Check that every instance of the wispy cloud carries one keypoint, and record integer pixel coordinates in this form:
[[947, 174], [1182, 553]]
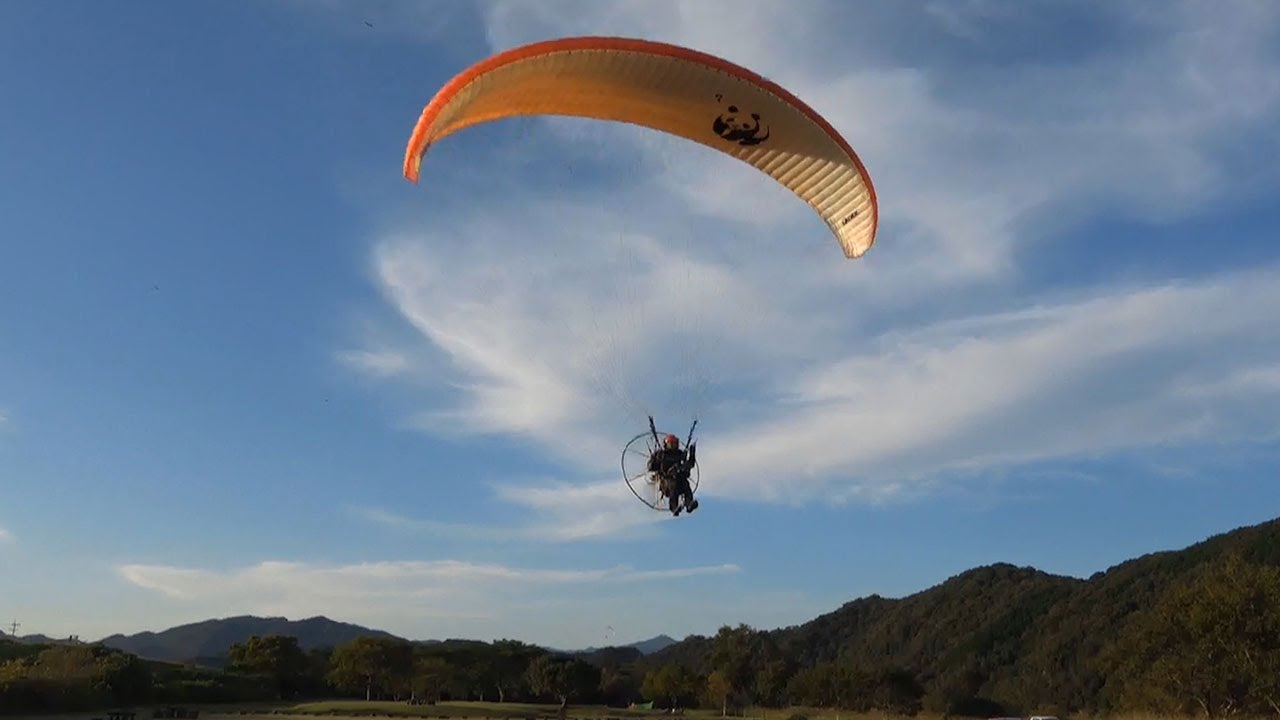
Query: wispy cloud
[[574, 511], [581, 311], [404, 593], [469, 531], [563, 512], [5, 535], [967, 155], [382, 364], [1072, 376], [1105, 374]]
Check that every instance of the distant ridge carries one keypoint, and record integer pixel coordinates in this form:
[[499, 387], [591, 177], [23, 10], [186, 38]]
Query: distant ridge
[[998, 630], [207, 641], [646, 647], [39, 639]]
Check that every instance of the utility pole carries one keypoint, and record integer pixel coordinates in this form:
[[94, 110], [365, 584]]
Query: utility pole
[[13, 628]]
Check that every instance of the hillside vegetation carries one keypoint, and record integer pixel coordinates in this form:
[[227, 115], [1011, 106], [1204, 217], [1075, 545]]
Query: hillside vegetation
[[1192, 632]]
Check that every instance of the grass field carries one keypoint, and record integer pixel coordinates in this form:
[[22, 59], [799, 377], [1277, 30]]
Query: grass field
[[342, 709], [351, 709], [509, 711], [463, 710]]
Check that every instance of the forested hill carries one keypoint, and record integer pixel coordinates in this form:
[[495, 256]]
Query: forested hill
[[1018, 636], [1188, 632], [209, 640]]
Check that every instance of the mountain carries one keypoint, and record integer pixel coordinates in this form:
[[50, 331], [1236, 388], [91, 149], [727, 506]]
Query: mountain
[[39, 639], [1029, 638], [998, 639], [207, 642], [645, 647], [653, 644]]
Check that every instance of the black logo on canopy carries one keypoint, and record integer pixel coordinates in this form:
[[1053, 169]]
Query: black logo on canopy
[[746, 129]]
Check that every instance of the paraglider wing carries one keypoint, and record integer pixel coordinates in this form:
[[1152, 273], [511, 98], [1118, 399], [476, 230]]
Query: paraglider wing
[[675, 90]]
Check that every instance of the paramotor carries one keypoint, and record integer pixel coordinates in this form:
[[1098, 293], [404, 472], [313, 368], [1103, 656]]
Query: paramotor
[[644, 484], [678, 91]]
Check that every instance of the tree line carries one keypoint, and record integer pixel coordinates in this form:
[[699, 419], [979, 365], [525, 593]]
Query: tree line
[[1180, 635], [1191, 635], [62, 678]]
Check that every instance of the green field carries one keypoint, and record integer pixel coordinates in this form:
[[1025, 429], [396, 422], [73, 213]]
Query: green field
[[340, 709], [352, 709], [511, 711], [455, 710]]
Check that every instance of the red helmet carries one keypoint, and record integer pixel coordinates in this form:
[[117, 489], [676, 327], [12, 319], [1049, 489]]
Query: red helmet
[[671, 441]]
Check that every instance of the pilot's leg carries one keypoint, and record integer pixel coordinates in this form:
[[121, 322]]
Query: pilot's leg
[[690, 503]]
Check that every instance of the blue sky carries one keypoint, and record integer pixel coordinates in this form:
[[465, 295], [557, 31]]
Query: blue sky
[[246, 368]]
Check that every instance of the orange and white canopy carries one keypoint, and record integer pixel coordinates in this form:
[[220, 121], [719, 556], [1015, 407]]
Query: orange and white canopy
[[671, 89]]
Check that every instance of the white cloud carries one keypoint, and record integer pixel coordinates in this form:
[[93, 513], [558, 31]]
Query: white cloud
[[841, 413], [5, 536], [1077, 379], [387, 578], [567, 316], [1260, 380], [546, 350], [966, 156], [381, 364], [563, 513], [574, 511], [438, 596]]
